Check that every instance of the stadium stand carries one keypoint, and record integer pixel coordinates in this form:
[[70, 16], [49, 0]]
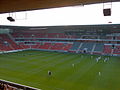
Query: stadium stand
[[87, 46], [73, 39], [118, 37], [7, 85], [7, 44], [75, 46], [57, 46], [99, 47], [107, 49], [45, 45], [116, 49]]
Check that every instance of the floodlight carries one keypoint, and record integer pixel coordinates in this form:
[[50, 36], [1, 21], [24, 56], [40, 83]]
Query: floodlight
[[11, 19], [107, 12]]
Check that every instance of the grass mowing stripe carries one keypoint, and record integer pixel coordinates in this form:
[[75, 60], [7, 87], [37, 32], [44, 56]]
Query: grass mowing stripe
[[17, 65], [31, 68], [52, 62]]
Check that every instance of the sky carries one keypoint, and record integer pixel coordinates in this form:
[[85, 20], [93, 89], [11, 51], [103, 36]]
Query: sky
[[73, 15]]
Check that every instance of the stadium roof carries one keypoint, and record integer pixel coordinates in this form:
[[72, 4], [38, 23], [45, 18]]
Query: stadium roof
[[7, 6], [69, 27]]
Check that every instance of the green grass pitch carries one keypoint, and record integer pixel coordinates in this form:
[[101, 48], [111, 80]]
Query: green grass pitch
[[31, 68]]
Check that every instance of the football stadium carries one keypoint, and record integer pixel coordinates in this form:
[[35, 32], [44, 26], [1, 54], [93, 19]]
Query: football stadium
[[60, 57]]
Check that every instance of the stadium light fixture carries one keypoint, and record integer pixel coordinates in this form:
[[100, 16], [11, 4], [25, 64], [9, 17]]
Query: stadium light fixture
[[107, 12], [10, 18], [107, 9]]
